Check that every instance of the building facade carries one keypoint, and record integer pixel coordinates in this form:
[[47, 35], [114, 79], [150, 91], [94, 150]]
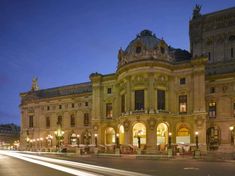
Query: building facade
[[158, 96]]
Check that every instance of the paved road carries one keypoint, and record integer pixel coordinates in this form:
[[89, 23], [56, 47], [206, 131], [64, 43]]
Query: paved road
[[11, 166]]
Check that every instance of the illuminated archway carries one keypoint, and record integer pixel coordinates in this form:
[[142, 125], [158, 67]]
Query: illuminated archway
[[213, 138], [121, 135], [110, 136], [183, 135], [162, 134], [139, 130]]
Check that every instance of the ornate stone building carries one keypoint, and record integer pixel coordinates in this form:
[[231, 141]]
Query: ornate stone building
[[157, 95]]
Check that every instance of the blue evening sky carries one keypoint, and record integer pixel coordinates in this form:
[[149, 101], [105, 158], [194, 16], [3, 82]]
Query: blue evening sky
[[63, 41]]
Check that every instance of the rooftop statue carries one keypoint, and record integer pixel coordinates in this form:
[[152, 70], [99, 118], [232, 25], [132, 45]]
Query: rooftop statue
[[196, 11], [35, 84]]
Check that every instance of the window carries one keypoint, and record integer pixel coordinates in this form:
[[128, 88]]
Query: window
[[72, 105], [209, 56], [212, 110], [86, 119], [139, 100], [30, 121], [123, 103], [60, 106], [183, 103], [162, 50], [48, 122], [48, 108], [59, 120], [182, 81], [72, 121], [161, 99], [212, 90], [138, 49], [86, 103], [109, 90], [109, 110], [231, 52], [234, 109]]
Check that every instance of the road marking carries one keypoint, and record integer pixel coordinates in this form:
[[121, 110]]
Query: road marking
[[89, 167], [191, 168], [50, 165]]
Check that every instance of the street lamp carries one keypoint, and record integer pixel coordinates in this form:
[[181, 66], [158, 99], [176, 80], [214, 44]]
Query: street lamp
[[49, 139], [96, 140], [27, 141], [139, 133], [78, 140], [196, 136], [59, 134], [231, 128], [169, 140], [117, 140]]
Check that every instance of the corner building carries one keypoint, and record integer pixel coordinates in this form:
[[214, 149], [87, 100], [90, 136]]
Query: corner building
[[158, 93]]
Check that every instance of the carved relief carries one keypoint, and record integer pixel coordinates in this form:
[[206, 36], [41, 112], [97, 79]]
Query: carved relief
[[151, 123], [126, 125]]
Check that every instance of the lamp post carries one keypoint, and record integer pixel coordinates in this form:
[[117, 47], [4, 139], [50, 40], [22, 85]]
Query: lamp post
[[169, 140], [78, 140], [96, 140], [231, 128], [117, 140], [139, 133], [59, 134], [27, 141], [41, 141], [196, 136], [49, 140]]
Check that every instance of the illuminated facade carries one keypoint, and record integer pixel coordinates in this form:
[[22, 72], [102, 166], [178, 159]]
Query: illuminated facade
[[156, 90]]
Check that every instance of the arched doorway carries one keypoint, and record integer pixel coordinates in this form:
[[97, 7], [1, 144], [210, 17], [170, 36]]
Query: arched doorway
[[213, 138], [110, 136], [162, 136], [121, 135], [139, 133], [183, 135]]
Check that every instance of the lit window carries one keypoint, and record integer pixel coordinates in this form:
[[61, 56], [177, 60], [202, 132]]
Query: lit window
[[183, 103], [109, 90], [182, 81], [212, 110], [109, 110], [48, 122], [30, 121], [161, 99], [139, 100]]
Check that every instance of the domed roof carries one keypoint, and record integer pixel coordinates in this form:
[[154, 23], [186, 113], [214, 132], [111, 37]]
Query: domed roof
[[145, 46], [146, 38]]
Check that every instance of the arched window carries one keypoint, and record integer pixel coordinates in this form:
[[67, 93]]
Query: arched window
[[183, 135]]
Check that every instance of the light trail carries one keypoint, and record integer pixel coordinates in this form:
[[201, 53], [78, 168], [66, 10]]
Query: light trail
[[50, 165], [89, 167]]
